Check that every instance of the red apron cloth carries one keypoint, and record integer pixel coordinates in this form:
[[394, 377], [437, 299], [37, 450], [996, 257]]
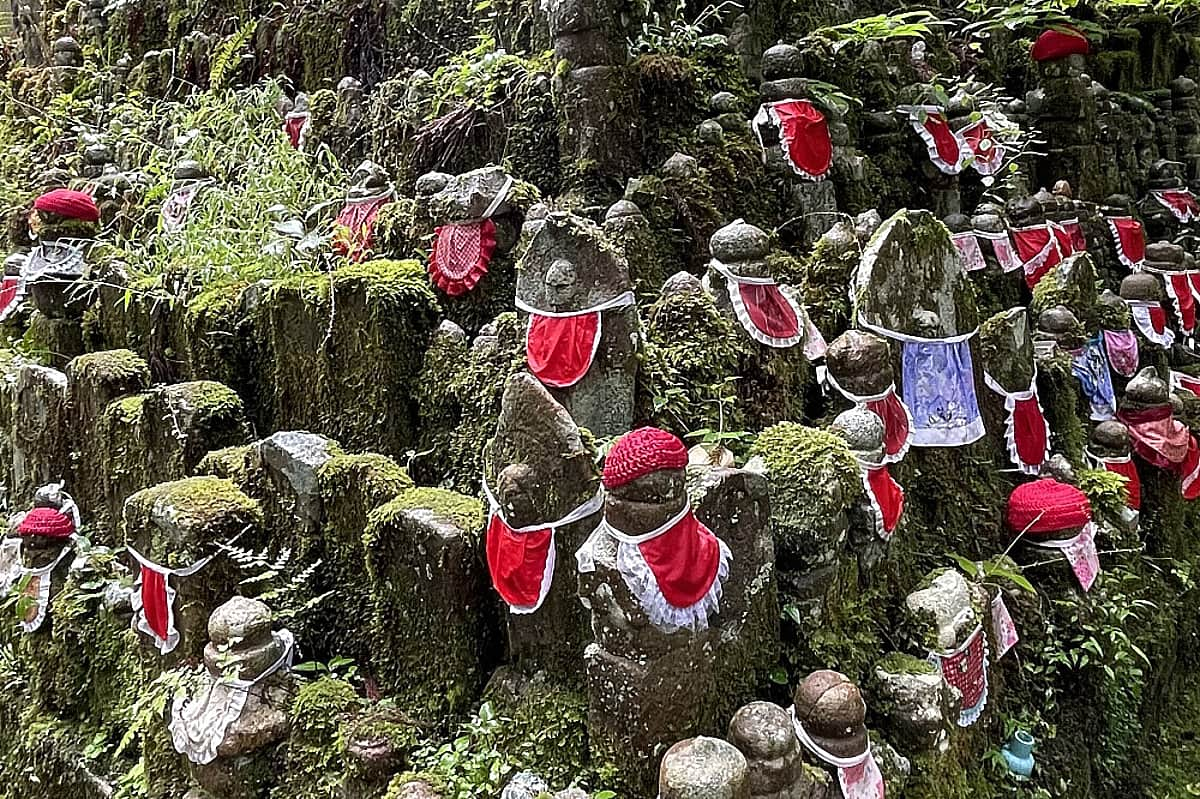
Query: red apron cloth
[[1072, 232], [354, 229], [1037, 248], [1026, 433], [1180, 380], [966, 669], [1194, 278], [764, 311], [886, 498], [521, 564], [1162, 441], [897, 424], [8, 293], [1002, 248], [947, 149], [803, 135], [155, 606], [461, 255], [1179, 202], [560, 349], [988, 152], [296, 126], [1151, 321], [1129, 237], [1133, 481], [685, 561], [154, 600], [969, 252], [1179, 289]]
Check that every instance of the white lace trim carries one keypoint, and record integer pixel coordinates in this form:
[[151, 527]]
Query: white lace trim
[[140, 623], [732, 283], [1173, 292], [1183, 215], [1034, 264], [767, 115], [965, 152], [1140, 311], [1010, 422], [861, 401], [969, 715], [823, 754], [43, 576]]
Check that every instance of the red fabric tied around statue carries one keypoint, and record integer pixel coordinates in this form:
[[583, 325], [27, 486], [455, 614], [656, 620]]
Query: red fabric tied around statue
[[1179, 289], [1075, 240], [1179, 202], [685, 561], [155, 605], [897, 424], [1162, 441], [1038, 250], [1133, 485], [8, 292], [766, 314], [461, 255], [1055, 44], [947, 149], [560, 349], [886, 497], [518, 562], [966, 670], [989, 154], [1029, 431], [1130, 239], [293, 126], [805, 136], [354, 229]]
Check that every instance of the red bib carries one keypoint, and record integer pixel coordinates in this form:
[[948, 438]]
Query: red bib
[[1002, 248], [1133, 481], [153, 600], [560, 349], [886, 498], [1037, 247], [461, 255], [1130, 239], [1151, 320], [1179, 202], [803, 135], [1070, 237], [354, 229], [1179, 289], [9, 292], [988, 152], [764, 311], [1181, 380], [966, 669], [521, 564], [897, 424], [1026, 433], [295, 125], [1162, 441], [947, 149]]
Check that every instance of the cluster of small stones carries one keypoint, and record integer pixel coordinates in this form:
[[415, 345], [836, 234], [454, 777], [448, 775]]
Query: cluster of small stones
[[655, 699]]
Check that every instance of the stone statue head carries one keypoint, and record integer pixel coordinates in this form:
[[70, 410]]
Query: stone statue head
[[1146, 390], [1141, 286], [863, 431], [1110, 439], [860, 362], [832, 712], [569, 265], [742, 248]]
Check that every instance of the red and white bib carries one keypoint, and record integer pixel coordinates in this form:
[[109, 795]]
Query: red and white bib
[[765, 311], [1003, 626], [560, 347], [969, 252], [885, 496], [1151, 320], [1129, 237], [1080, 552], [1125, 467], [803, 136], [10, 295], [153, 599], [1183, 300], [521, 560], [462, 251], [1026, 433], [296, 125], [354, 229], [1002, 248], [675, 572], [178, 205], [1038, 248], [988, 152], [947, 148], [37, 592], [859, 777], [1180, 202], [897, 419], [1122, 349], [966, 668]]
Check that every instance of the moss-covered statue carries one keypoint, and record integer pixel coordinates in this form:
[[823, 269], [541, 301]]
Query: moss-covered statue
[[1169, 210], [354, 229], [883, 504], [1010, 372], [674, 591], [1110, 448], [64, 222], [38, 552], [1147, 409], [226, 724]]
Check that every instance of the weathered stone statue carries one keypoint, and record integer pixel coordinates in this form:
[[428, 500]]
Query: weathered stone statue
[[1110, 449], [542, 486], [703, 768], [921, 708], [1010, 372], [240, 705], [1158, 438], [41, 551], [296, 120], [829, 716], [765, 735], [582, 338], [1170, 208], [675, 596], [1143, 294], [190, 179], [860, 368], [64, 221], [883, 502], [354, 229], [950, 614]]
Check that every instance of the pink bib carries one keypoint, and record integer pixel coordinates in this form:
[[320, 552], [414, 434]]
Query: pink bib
[[461, 255]]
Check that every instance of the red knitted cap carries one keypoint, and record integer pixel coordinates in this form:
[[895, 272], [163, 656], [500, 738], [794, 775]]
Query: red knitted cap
[[1045, 506], [640, 453], [1055, 44], [47, 523], [69, 203]]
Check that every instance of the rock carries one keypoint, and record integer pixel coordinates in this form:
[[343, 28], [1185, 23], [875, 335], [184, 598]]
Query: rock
[[910, 279], [417, 790], [947, 601], [525, 785], [570, 266], [703, 768], [293, 460], [860, 362], [921, 707], [1006, 349], [764, 734]]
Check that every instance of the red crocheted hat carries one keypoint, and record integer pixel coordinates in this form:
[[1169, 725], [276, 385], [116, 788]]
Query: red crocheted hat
[[47, 523], [69, 203], [640, 453], [1046, 506], [1055, 44]]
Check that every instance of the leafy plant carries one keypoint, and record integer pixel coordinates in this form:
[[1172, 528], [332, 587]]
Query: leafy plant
[[676, 35], [881, 27]]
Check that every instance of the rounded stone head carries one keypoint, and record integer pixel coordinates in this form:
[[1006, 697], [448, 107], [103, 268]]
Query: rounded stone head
[[1165, 255], [1165, 174], [1141, 286], [782, 61], [645, 481], [189, 170], [703, 768], [863, 431], [1110, 439], [832, 712], [517, 488], [49, 496], [1147, 390], [860, 362], [741, 247]]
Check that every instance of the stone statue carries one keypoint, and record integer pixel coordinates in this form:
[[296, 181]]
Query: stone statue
[[829, 717], [860, 368], [65, 221], [766, 737], [1147, 409], [883, 498], [39, 547], [354, 229], [703, 768], [240, 706], [581, 341]]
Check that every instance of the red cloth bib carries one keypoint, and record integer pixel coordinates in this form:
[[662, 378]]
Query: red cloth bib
[[1127, 469], [1071, 232], [296, 126], [1031, 441], [1038, 249], [966, 670], [1151, 319], [886, 498], [1162, 441], [685, 561], [153, 600], [461, 255], [560, 349], [1181, 380], [988, 152], [1179, 202], [804, 136], [764, 311], [1179, 289], [897, 424], [947, 149], [1130, 239], [354, 229], [154, 603], [521, 563]]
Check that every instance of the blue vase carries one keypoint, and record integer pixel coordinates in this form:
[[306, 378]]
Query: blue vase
[[1018, 754]]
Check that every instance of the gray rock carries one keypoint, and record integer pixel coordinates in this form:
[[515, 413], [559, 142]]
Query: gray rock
[[1007, 349], [922, 709], [293, 460], [703, 768], [525, 785], [947, 602]]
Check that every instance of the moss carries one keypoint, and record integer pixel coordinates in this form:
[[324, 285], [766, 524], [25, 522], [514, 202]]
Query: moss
[[111, 367], [465, 513], [316, 752], [900, 663], [230, 463], [203, 510]]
